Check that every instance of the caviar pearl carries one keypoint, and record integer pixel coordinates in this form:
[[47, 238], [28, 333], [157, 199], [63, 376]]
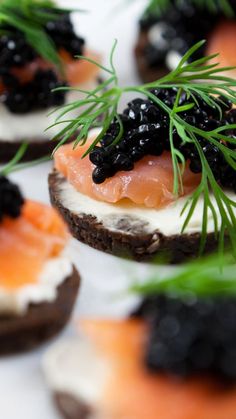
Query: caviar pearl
[[16, 52], [175, 31], [146, 132], [11, 200], [34, 95], [191, 336]]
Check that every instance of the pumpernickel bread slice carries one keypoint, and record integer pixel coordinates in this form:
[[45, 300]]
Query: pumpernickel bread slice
[[36, 148], [72, 407], [76, 375], [41, 321], [120, 233]]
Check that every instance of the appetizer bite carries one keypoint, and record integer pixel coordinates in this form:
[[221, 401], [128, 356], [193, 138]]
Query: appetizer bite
[[38, 283], [158, 178], [168, 29], [174, 359], [38, 46]]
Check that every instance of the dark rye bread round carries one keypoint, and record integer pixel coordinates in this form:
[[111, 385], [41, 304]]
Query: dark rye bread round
[[146, 72], [36, 148], [71, 407], [132, 240], [41, 321]]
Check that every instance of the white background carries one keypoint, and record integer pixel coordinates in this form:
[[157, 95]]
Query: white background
[[23, 392]]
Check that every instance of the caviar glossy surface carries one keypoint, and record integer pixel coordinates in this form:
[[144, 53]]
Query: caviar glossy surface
[[186, 337], [11, 199], [178, 29], [21, 96], [34, 95], [146, 132]]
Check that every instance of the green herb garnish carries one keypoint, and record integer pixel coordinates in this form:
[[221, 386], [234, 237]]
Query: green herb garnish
[[210, 276], [29, 17], [199, 79], [14, 164]]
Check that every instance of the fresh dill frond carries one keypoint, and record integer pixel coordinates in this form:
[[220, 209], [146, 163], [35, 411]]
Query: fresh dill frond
[[16, 164], [210, 276], [201, 79]]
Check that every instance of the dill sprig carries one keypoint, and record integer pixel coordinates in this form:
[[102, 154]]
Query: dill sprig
[[15, 164], [29, 17], [159, 7], [200, 79], [205, 277]]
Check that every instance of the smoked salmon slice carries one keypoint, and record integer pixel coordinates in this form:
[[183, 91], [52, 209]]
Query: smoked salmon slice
[[80, 71], [150, 183], [132, 392], [27, 242], [222, 42], [77, 71]]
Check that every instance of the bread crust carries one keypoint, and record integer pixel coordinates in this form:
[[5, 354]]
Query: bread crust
[[130, 242], [36, 148], [71, 407], [41, 321]]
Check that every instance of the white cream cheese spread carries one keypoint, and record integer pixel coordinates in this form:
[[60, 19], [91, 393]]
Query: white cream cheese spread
[[54, 272], [167, 220], [32, 126]]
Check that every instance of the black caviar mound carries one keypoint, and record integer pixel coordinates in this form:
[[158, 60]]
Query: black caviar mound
[[178, 29], [192, 336], [11, 199], [15, 53], [146, 132], [34, 95], [62, 33]]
